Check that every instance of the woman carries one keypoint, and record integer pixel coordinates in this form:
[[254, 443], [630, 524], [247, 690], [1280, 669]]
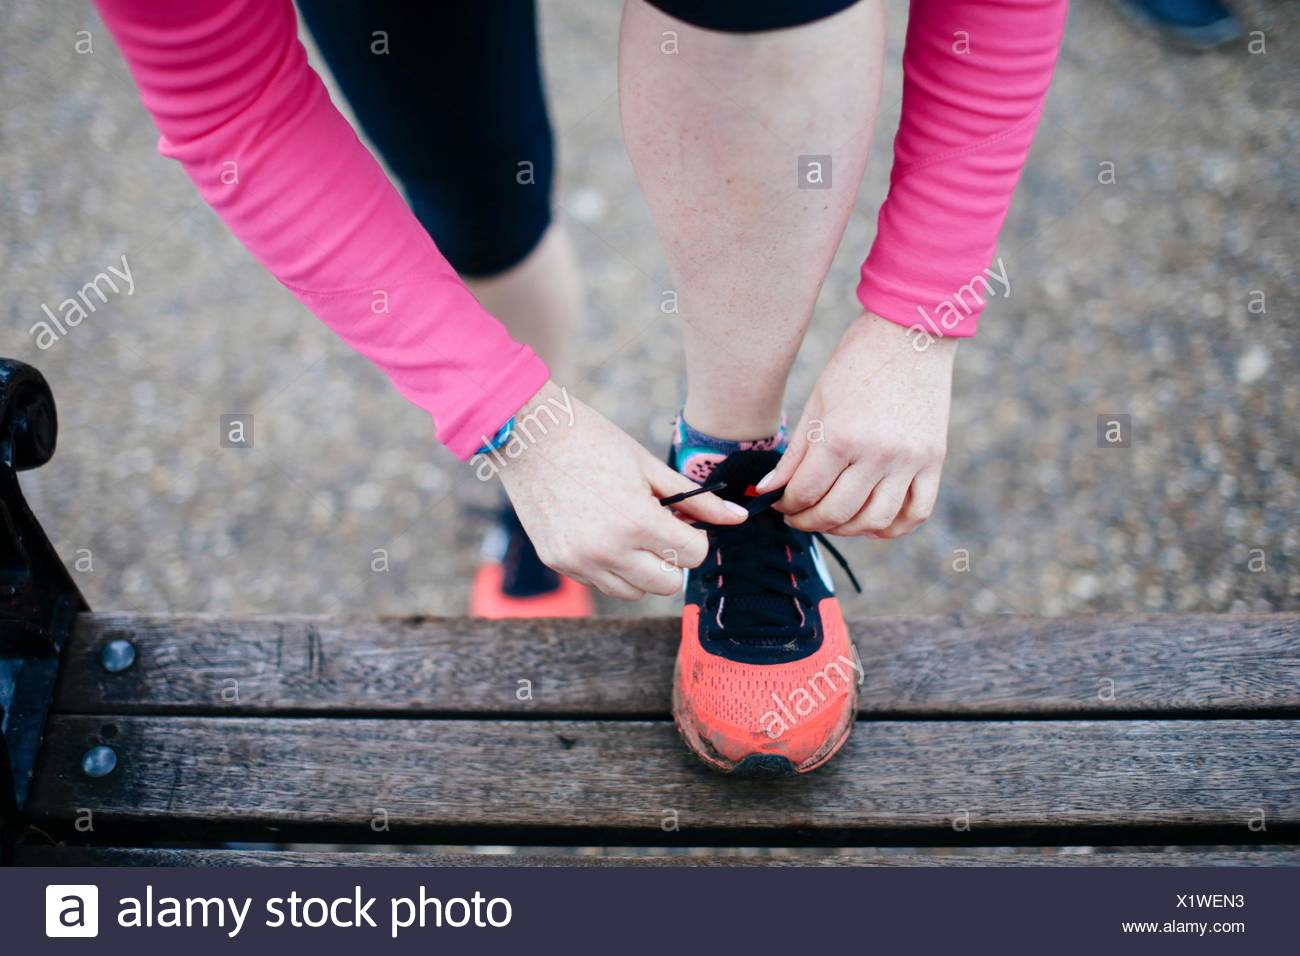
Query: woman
[[749, 124]]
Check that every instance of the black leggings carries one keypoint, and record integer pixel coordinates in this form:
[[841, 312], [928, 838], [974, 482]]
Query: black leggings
[[460, 117]]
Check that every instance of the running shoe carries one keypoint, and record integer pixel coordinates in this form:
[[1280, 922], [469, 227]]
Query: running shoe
[[513, 582], [766, 681]]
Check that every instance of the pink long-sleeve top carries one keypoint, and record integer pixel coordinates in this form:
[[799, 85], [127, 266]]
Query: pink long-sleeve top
[[228, 85]]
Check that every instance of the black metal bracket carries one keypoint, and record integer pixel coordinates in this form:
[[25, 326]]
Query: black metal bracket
[[39, 600]]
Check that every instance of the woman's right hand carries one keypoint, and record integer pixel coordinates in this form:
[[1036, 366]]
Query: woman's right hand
[[587, 494]]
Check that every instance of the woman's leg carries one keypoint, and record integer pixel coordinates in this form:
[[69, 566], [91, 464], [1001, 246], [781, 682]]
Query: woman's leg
[[464, 128], [729, 134], [540, 300]]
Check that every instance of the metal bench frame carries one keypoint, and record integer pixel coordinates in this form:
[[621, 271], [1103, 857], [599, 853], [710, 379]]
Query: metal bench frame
[[39, 600]]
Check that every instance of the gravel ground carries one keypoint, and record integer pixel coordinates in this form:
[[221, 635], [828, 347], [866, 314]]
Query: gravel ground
[[1138, 298]]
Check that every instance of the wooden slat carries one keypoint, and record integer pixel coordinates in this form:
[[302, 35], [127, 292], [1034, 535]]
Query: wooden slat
[[957, 665], [998, 856], [631, 775]]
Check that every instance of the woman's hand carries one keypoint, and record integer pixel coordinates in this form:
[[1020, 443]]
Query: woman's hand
[[587, 495], [866, 456]]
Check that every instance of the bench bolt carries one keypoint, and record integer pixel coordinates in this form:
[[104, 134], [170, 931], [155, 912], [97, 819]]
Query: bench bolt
[[117, 655], [99, 761]]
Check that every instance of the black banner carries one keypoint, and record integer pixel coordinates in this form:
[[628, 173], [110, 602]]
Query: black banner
[[651, 910]]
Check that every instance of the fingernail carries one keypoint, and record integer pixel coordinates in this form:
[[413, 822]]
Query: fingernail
[[765, 480], [735, 509]]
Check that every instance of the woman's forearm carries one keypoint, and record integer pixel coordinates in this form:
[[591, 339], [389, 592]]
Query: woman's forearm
[[228, 85], [975, 76]]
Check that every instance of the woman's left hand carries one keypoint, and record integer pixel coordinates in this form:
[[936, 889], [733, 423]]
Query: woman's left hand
[[866, 456]]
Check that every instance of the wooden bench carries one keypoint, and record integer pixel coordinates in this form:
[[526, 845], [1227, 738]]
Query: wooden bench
[[1128, 739]]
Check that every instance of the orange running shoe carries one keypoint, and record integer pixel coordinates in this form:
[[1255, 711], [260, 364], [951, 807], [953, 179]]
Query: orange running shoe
[[767, 679], [513, 582]]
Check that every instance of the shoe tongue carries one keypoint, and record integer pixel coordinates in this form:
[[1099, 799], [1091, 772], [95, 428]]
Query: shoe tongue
[[742, 471], [742, 608]]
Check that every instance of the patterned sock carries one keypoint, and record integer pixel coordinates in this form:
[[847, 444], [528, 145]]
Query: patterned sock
[[696, 454]]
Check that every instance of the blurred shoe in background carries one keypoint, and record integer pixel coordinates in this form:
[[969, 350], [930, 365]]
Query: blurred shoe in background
[[1196, 24], [512, 582]]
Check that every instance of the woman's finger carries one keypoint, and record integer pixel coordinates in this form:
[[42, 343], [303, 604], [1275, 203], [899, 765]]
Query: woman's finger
[[607, 582], [674, 541], [841, 503], [918, 507], [650, 573], [881, 508], [665, 481], [811, 480]]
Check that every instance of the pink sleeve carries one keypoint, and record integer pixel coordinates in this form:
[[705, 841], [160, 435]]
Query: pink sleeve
[[229, 88], [975, 73]]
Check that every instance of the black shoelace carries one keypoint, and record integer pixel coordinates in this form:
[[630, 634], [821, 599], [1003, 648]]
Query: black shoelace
[[758, 560]]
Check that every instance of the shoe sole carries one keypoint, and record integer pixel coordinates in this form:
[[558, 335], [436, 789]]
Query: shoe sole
[[761, 764], [488, 602]]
